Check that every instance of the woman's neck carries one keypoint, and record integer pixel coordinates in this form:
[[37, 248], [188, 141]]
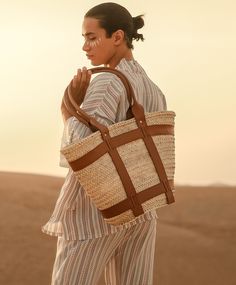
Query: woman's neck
[[114, 61]]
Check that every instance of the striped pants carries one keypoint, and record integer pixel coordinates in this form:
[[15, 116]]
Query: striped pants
[[127, 257]]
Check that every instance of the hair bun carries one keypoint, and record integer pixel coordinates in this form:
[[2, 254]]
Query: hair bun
[[138, 24]]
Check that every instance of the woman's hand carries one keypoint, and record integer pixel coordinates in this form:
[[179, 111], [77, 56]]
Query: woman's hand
[[77, 87]]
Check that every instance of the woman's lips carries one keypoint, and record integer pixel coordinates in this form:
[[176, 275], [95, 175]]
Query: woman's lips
[[89, 56]]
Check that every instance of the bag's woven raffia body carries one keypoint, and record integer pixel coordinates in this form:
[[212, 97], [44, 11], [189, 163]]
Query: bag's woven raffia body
[[120, 174]]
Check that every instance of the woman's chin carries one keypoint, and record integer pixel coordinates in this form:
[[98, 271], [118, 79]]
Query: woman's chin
[[95, 63]]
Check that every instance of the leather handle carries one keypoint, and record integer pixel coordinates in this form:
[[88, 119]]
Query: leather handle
[[135, 109], [82, 116]]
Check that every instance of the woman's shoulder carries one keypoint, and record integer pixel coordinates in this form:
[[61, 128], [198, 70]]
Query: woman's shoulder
[[106, 80]]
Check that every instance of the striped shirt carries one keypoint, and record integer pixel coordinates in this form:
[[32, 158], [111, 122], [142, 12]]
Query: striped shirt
[[75, 216]]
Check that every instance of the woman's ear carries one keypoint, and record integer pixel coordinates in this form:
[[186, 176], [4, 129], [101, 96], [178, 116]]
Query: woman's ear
[[118, 37]]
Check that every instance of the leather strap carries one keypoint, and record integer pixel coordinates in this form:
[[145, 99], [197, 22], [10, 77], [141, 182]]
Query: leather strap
[[134, 110], [89, 121], [72, 110]]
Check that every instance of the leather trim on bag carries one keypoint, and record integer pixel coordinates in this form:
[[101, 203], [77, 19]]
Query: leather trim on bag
[[143, 196]]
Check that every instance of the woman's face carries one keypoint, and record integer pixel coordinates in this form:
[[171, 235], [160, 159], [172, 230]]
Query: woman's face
[[99, 49]]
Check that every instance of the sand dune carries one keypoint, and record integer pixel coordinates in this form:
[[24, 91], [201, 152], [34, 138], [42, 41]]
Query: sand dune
[[196, 236]]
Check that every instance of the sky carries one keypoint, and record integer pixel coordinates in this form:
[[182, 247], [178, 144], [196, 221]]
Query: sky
[[189, 52]]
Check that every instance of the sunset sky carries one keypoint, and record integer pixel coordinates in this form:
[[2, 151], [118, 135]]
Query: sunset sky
[[189, 52]]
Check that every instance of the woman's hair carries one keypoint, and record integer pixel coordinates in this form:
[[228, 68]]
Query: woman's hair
[[113, 17]]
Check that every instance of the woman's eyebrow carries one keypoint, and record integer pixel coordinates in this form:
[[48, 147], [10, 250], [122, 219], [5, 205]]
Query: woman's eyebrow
[[88, 34]]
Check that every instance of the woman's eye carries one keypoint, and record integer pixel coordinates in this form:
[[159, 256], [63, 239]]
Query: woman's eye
[[92, 39]]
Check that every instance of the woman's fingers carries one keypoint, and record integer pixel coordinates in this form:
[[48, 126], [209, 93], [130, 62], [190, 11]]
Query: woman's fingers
[[79, 75], [89, 74], [83, 81], [74, 81], [79, 84]]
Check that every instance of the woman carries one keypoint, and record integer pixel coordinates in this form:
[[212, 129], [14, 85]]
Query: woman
[[86, 244]]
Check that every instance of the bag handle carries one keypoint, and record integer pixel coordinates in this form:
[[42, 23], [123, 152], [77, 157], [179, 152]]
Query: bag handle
[[135, 109]]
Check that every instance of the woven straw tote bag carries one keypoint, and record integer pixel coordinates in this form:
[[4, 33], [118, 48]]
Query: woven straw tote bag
[[126, 168]]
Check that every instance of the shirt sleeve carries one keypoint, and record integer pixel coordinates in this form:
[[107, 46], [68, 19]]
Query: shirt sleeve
[[101, 101]]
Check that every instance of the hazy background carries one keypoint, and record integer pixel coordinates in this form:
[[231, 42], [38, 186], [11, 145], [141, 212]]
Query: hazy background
[[189, 51]]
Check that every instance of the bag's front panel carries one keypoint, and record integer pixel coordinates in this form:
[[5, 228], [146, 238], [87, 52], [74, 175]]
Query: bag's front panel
[[139, 165], [102, 182]]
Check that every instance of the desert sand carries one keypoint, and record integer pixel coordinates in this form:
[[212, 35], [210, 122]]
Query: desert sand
[[196, 242]]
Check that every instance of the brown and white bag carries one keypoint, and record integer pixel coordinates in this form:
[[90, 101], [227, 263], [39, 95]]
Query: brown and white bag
[[126, 168]]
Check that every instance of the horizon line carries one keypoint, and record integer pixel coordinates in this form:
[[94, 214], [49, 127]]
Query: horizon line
[[178, 184]]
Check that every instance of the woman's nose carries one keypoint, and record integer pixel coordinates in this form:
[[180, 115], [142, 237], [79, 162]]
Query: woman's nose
[[85, 47]]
